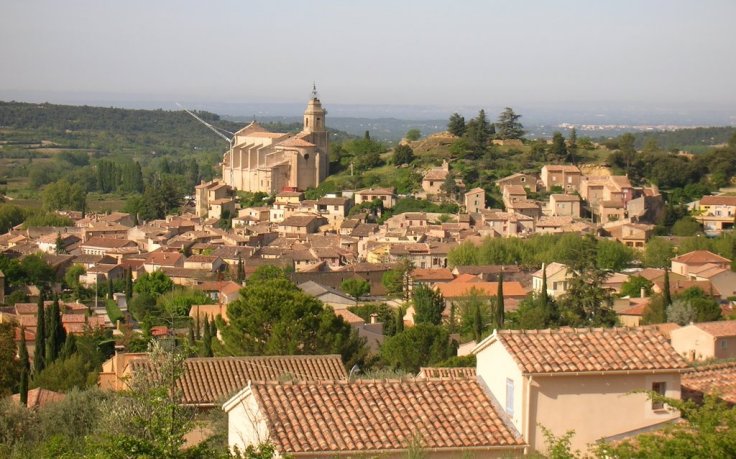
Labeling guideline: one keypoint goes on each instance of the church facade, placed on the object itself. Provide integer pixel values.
(260, 160)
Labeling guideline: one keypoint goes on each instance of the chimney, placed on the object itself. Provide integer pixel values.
(643, 292)
(374, 318)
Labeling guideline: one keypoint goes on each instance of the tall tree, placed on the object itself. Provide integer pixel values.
(355, 287)
(10, 366)
(544, 295)
(110, 288)
(403, 154)
(24, 386)
(478, 133)
(39, 355)
(428, 305)
(508, 125)
(666, 293)
(56, 335)
(241, 271)
(25, 361)
(456, 125)
(572, 148)
(500, 308)
(129, 284)
(559, 148)
(207, 339)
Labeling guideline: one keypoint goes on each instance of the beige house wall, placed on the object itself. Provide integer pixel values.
(494, 366)
(693, 343)
(596, 406)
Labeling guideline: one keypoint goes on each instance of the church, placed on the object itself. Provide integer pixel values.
(260, 160)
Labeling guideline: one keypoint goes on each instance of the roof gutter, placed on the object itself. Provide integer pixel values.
(403, 450)
(608, 372)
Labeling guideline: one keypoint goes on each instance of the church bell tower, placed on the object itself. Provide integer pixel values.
(314, 127)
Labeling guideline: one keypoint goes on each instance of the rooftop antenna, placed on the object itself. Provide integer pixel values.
(218, 131)
(314, 91)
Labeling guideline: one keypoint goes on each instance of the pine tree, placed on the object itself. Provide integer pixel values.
(508, 125)
(39, 357)
(70, 347)
(666, 294)
(456, 125)
(500, 312)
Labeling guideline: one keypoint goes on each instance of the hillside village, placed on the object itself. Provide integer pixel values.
(489, 377)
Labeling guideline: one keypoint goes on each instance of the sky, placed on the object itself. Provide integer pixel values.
(433, 53)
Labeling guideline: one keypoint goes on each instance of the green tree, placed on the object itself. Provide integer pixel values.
(456, 125)
(428, 305)
(449, 186)
(10, 365)
(273, 316)
(355, 287)
(558, 150)
(655, 312)
(612, 255)
(396, 280)
(686, 226)
(413, 134)
(55, 334)
(634, 286)
(463, 254)
(508, 125)
(479, 131)
(71, 278)
(155, 283)
(417, 346)
(666, 290)
(39, 358)
(207, 339)
(403, 154)
(658, 253)
(240, 277)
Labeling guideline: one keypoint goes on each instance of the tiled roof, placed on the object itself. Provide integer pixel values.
(565, 197)
(719, 329)
(562, 168)
(700, 257)
(719, 378)
(163, 258)
(39, 397)
(296, 142)
(460, 289)
(370, 416)
(206, 381)
(436, 174)
(108, 243)
(447, 373)
(582, 350)
(298, 220)
(432, 274)
(718, 201)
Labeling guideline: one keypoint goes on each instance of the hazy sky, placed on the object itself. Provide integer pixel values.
(371, 52)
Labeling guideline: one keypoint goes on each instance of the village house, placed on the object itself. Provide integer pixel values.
(513, 193)
(223, 292)
(686, 263)
(155, 261)
(112, 247)
(366, 409)
(716, 213)
(564, 205)
(558, 278)
(434, 179)
(474, 200)
(706, 340)
(213, 198)
(565, 177)
(718, 379)
(633, 235)
(58, 242)
(101, 273)
(205, 262)
(385, 195)
(334, 209)
(298, 226)
(590, 381)
(526, 180)
(105, 230)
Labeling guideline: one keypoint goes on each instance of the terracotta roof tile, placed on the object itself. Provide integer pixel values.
(575, 350)
(719, 329)
(447, 373)
(363, 416)
(460, 289)
(718, 201)
(206, 381)
(719, 379)
(700, 257)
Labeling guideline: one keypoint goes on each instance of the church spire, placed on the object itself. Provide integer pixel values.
(314, 91)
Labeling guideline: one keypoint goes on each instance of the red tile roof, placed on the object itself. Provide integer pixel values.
(460, 289)
(39, 397)
(369, 416)
(432, 274)
(447, 373)
(207, 381)
(700, 257)
(718, 329)
(718, 201)
(589, 350)
(719, 379)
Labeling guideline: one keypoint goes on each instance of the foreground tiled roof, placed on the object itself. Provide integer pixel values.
(447, 373)
(370, 416)
(572, 350)
(718, 379)
(207, 381)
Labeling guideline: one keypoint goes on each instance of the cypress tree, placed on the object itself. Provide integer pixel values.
(544, 297)
(400, 320)
(24, 386)
(191, 335)
(197, 333)
(207, 339)
(666, 294)
(477, 323)
(213, 329)
(110, 288)
(500, 313)
(70, 347)
(241, 271)
(25, 361)
(55, 334)
(451, 328)
(39, 358)
(129, 285)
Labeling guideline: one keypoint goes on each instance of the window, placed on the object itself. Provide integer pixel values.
(523, 179)
(723, 344)
(510, 396)
(306, 157)
(658, 388)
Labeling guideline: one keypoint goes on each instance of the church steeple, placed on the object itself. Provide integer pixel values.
(314, 115)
